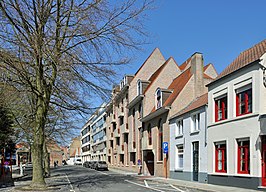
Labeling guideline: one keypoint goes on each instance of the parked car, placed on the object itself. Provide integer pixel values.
(77, 162)
(101, 165)
(92, 164)
(86, 164)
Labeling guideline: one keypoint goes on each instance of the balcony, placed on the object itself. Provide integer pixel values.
(117, 132)
(124, 128)
(121, 149)
(113, 118)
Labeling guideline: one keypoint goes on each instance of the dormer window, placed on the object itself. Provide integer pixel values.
(158, 98)
(125, 80)
(139, 87)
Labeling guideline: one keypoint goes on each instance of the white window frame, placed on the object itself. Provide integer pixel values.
(157, 106)
(179, 124)
(139, 87)
(178, 165)
(195, 122)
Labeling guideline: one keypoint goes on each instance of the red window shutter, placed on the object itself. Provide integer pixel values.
(237, 105)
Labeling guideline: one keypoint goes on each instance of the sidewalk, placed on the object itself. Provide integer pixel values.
(189, 184)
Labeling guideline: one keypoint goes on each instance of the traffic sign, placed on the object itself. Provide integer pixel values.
(165, 147)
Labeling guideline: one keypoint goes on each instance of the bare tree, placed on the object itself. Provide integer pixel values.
(63, 52)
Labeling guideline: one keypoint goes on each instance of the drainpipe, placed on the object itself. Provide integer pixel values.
(205, 136)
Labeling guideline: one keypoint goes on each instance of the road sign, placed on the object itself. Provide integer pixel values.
(165, 147)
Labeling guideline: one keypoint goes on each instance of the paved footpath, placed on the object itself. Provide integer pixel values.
(191, 185)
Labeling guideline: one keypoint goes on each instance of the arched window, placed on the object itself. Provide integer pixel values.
(139, 87)
(158, 98)
(160, 140)
(149, 134)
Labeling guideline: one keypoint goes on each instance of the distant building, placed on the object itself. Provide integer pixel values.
(93, 136)
(55, 153)
(74, 150)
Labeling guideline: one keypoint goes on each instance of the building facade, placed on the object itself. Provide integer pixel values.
(236, 122)
(188, 142)
(93, 136)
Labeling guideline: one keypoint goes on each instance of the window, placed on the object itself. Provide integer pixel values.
(149, 135)
(158, 98)
(244, 102)
(179, 127)
(134, 126)
(221, 109)
(220, 158)
(195, 123)
(139, 91)
(160, 140)
(180, 154)
(243, 157)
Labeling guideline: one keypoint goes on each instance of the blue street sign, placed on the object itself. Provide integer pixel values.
(165, 147)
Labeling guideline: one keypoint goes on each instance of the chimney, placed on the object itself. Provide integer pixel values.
(197, 71)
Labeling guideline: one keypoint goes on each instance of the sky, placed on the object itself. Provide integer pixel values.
(220, 30)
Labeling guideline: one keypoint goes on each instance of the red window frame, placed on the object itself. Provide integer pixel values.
(222, 108)
(245, 102)
(220, 148)
(243, 157)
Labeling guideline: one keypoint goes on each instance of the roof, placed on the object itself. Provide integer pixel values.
(196, 103)
(177, 86)
(245, 58)
(155, 50)
(183, 66)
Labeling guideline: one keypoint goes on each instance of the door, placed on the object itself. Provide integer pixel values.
(263, 160)
(150, 162)
(195, 161)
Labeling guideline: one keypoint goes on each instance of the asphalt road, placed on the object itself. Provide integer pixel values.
(81, 179)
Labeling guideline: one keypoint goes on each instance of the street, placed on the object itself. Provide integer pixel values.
(80, 179)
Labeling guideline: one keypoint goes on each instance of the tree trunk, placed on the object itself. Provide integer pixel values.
(46, 160)
(37, 147)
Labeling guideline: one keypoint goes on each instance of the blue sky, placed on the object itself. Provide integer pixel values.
(220, 30)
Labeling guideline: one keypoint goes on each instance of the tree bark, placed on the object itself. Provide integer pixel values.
(46, 161)
(37, 147)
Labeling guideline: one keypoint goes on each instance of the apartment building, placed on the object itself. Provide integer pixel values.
(124, 147)
(237, 122)
(86, 141)
(165, 101)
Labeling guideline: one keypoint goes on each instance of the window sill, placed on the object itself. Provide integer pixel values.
(178, 136)
(159, 162)
(194, 132)
(178, 170)
(250, 115)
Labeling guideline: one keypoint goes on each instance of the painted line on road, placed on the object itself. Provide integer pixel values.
(102, 172)
(176, 188)
(72, 189)
(144, 186)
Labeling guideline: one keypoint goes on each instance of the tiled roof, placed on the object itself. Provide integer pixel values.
(183, 66)
(207, 76)
(198, 102)
(156, 74)
(246, 57)
(177, 85)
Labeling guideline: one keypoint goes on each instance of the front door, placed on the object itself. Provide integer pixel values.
(195, 161)
(150, 162)
(263, 160)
